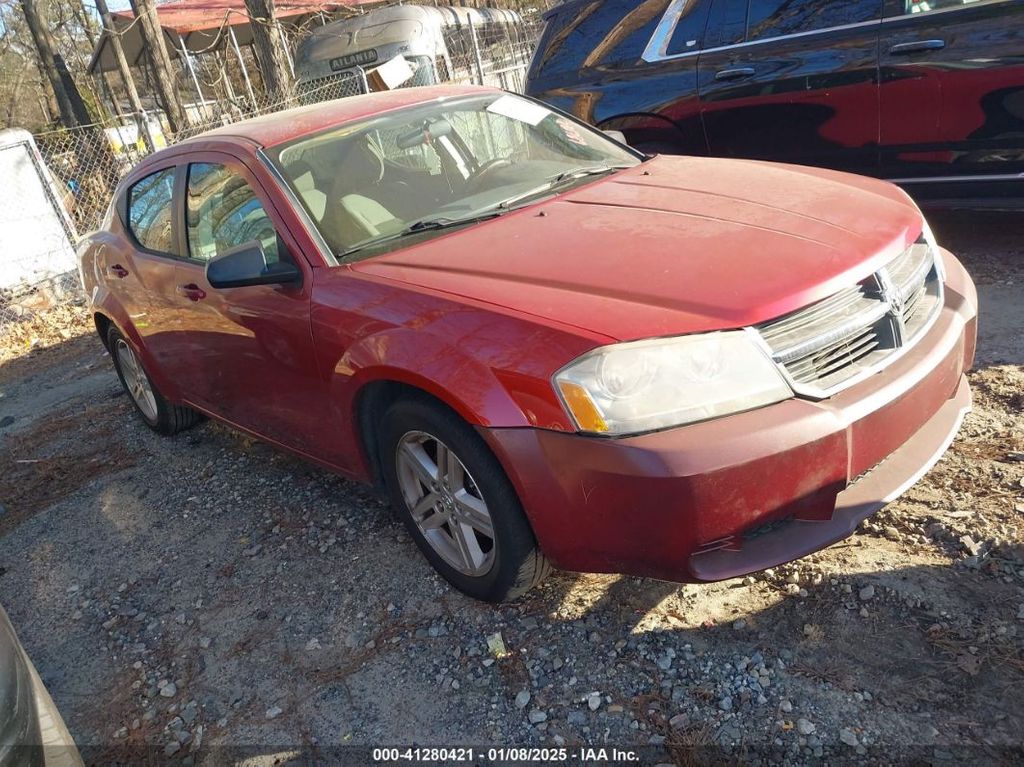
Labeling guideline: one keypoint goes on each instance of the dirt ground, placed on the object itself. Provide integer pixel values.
(184, 595)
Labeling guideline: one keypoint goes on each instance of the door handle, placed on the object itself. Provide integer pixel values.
(192, 292)
(734, 74)
(118, 271)
(917, 46)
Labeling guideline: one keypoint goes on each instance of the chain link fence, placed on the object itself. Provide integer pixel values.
(74, 173)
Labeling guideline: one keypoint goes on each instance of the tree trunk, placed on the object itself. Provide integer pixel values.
(270, 49)
(85, 20)
(44, 46)
(114, 38)
(78, 106)
(156, 50)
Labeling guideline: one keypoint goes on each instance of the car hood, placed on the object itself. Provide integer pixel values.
(675, 245)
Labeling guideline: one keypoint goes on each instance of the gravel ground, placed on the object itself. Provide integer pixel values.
(181, 595)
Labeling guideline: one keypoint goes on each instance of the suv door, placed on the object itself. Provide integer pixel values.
(792, 81)
(952, 89)
(251, 356)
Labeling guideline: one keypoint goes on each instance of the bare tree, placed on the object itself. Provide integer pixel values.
(48, 62)
(160, 60)
(270, 49)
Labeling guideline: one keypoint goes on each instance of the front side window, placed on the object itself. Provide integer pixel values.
(224, 212)
(415, 171)
(150, 211)
(777, 18)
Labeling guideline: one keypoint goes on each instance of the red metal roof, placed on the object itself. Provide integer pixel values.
(187, 16)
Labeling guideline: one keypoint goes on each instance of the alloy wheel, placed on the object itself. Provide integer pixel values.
(135, 379)
(445, 503)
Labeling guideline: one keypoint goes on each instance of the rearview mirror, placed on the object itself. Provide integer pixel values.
(430, 130)
(247, 264)
(616, 135)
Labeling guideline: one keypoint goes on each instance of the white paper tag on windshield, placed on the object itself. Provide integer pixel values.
(519, 109)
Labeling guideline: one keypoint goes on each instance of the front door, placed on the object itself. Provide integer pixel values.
(251, 356)
(792, 81)
(952, 89)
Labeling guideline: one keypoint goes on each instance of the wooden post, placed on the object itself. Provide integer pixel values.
(114, 41)
(163, 71)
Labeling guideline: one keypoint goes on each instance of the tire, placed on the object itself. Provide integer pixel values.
(498, 568)
(161, 416)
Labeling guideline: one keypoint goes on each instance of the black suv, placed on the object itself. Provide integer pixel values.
(928, 93)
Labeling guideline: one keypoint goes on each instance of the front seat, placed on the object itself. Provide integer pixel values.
(356, 216)
(305, 184)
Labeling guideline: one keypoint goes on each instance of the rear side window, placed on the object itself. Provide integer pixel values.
(776, 18)
(689, 26)
(151, 211)
(595, 34)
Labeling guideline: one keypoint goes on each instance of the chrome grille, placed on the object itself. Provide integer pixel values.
(827, 345)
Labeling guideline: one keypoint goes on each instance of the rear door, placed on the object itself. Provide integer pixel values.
(142, 274)
(952, 89)
(792, 81)
(251, 357)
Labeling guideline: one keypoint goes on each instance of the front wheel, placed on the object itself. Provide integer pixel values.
(160, 415)
(457, 502)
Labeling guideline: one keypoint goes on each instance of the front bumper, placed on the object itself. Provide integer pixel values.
(738, 494)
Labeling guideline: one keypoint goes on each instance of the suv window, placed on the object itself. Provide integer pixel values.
(224, 212)
(689, 27)
(923, 6)
(150, 212)
(601, 33)
(775, 18)
(728, 23)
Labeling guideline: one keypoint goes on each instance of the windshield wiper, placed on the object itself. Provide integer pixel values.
(585, 170)
(504, 206)
(557, 180)
(417, 227)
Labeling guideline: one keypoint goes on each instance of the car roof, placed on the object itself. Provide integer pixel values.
(279, 127)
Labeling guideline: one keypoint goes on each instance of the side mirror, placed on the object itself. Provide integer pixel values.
(247, 264)
(616, 135)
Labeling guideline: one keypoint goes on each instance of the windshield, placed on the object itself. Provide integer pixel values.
(415, 171)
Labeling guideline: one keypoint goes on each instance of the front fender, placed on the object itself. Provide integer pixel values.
(427, 362)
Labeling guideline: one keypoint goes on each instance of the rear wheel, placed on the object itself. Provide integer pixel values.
(159, 414)
(457, 502)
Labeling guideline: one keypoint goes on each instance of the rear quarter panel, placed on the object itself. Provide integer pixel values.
(118, 300)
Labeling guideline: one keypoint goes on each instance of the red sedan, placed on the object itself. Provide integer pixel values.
(549, 349)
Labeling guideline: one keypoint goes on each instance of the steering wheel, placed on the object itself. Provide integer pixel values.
(485, 171)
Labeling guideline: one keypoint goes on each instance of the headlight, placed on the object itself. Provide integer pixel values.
(646, 385)
(933, 246)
